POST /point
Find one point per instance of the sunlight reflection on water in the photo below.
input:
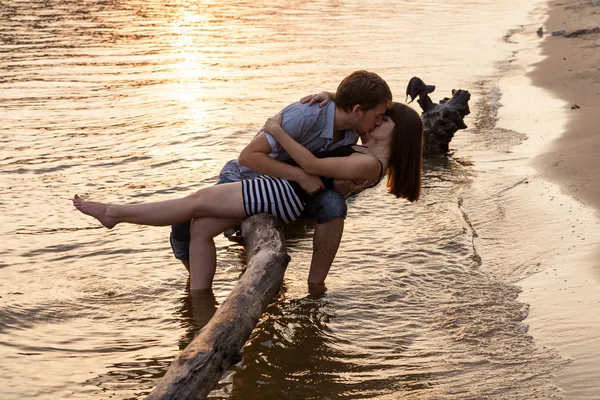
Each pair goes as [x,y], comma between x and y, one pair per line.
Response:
[132,101]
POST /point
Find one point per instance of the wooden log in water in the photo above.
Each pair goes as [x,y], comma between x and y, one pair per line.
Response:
[440,121]
[196,371]
[443,120]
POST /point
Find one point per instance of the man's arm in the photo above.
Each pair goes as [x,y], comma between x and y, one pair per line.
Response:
[256,157]
[331,167]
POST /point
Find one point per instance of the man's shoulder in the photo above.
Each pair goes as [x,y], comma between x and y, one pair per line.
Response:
[300,120]
[298,109]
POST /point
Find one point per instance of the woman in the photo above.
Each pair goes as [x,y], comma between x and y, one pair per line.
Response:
[395,146]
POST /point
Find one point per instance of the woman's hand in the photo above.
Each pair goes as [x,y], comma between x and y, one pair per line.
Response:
[272,124]
[322,98]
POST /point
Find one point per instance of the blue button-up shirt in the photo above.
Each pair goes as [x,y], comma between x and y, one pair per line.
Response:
[311,126]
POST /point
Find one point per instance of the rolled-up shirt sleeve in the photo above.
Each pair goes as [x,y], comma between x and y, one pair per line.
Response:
[292,123]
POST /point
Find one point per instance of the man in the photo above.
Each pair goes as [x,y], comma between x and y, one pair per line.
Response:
[359,106]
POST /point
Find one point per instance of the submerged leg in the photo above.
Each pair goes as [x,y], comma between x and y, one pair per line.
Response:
[203,253]
[330,209]
[326,241]
[223,201]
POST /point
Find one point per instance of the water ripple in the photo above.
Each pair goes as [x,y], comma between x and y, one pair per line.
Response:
[132,101]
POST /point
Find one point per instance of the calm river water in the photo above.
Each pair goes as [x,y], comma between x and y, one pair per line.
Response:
[132,101]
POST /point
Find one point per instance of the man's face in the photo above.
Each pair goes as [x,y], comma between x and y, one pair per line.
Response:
[366,121]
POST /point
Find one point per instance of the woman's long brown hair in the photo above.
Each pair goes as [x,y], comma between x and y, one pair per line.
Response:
[404,169]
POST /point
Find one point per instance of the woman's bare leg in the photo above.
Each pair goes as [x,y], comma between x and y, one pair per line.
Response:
[223,201]
[203,253]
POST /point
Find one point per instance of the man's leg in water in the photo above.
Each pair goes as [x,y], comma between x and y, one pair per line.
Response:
[330,209]
[180,242]
[202,250]
[180,237]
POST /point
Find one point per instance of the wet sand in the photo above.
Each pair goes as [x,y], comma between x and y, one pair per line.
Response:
[565,300]
[571,70]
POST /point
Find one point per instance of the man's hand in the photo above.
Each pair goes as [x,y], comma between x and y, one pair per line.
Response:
[347,187]
[322,98]
[310,183]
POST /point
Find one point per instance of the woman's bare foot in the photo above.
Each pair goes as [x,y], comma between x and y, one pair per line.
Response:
[96,210]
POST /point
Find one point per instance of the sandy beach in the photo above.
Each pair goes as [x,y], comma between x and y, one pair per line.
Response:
[571,70]
[564,301]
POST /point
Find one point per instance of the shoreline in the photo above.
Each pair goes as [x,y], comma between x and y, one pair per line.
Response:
[565,300]
[571,70]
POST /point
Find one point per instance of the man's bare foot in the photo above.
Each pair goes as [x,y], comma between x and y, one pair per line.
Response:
[96,210]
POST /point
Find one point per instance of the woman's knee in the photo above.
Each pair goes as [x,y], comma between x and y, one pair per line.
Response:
[198,202]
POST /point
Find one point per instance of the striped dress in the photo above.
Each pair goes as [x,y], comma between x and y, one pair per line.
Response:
[265,194]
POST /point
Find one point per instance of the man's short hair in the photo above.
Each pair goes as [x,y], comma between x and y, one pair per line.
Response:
[364,88]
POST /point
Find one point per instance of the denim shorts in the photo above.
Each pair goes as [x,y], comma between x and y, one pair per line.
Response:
[324,206]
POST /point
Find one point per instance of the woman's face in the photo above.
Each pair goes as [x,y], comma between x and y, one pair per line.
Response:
[384,130]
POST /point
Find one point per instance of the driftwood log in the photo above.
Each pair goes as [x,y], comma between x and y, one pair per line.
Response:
[218,345]
[440,121]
